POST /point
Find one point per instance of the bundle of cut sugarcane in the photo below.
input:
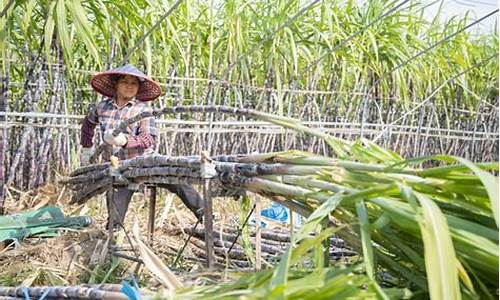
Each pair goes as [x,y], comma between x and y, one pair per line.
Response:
[434,228]
[273,244]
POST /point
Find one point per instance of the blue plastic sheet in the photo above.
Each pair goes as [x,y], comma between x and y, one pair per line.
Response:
[276,213]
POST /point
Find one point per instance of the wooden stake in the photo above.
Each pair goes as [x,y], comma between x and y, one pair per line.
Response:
[111,208]
[207,220]
[206,169]
[258,228]
[152,213]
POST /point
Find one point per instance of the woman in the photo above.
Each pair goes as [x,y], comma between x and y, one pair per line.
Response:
[128,91]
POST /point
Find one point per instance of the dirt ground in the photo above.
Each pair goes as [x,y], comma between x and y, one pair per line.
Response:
[80,256]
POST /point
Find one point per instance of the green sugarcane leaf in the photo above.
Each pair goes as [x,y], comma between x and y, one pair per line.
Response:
[310,242]
[280,275]
[489,181]
[49,30]
[83,28]
[366,241]
[62,31]
[440,259]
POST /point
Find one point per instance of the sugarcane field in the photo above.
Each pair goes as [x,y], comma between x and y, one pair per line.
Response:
[249,149]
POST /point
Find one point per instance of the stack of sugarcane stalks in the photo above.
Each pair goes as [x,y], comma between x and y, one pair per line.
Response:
[435,228]
[88,292]
[397,215]
[273,244]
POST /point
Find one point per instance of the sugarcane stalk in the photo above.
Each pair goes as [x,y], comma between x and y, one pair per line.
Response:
[230,236]
[88,177]
[156,160]
[89,168]
[167,180]
[272,250]
[110,287]
[93,190]
[221,261]
[70,292]
[19,155]
[265,169]
[43,153]
[4,106]
[235,253]
[161,171]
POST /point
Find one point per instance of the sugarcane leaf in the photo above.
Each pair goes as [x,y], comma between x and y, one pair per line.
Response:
[83,28]
[364,225]
[292,255]
[489,181]
[154,263]
[440,259]
[450,170]
[483,291]
[464,277]
[381,222]
[49,30]
[318,215]
[379,290]
[280,275]
[303,285]
[310,242]
[411,275]
[62,30]
[373,152]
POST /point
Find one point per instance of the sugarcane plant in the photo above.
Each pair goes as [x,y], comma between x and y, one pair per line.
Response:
[289,57]
[434,229]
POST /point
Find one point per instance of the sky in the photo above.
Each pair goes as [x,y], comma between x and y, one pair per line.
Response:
[477,8]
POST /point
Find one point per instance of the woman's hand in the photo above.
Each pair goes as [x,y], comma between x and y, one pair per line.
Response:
[119,140]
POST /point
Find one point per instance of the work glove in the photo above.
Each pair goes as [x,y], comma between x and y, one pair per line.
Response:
[85,154]
[120,140]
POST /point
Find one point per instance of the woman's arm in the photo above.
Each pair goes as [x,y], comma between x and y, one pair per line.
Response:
[88,128]
[146,137]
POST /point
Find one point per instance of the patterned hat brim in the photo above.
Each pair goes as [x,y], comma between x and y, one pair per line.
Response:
[103,84]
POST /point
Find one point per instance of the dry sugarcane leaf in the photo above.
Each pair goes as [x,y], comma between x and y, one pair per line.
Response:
[153,263]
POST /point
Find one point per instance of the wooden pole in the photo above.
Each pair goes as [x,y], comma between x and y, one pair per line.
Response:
[111,212]
[207,219]
[152,213]
[206,170]
[111,200]
[258,228]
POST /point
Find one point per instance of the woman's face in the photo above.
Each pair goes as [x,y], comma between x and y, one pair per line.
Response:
[127,87]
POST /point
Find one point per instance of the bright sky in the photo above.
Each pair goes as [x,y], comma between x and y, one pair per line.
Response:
[477,8]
